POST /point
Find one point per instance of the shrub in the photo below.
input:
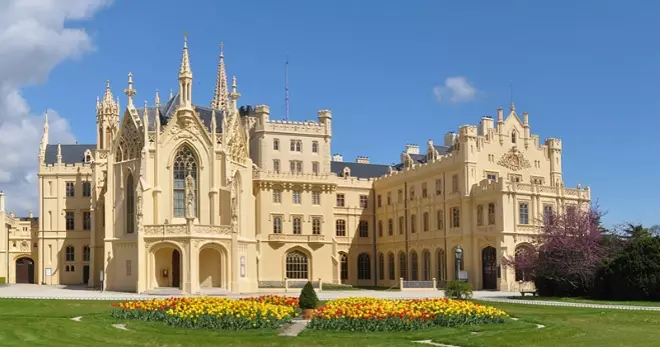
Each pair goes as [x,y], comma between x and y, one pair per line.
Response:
[370,314]
[458,290]
[2,280]
[308,299]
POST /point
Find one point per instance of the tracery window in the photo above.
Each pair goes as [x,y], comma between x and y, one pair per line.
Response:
[296,265]
[184,163]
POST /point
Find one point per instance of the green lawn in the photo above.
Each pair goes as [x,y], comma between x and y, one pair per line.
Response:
[47,323]
[588,301]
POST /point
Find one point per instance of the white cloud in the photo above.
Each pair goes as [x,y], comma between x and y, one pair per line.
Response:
[33,40]
[456,89]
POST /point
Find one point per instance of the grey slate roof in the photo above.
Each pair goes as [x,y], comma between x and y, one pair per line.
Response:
[71,154]
[166,112]
[359,170]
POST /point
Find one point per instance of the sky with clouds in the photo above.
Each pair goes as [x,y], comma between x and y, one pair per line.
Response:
[587,72]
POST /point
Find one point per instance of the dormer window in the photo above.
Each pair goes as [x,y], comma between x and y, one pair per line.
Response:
[347,172]
[513,137]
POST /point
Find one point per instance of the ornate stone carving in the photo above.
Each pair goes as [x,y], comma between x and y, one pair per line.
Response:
[25,246]
[190,195]
[514,160]
[234,206]
[130,142]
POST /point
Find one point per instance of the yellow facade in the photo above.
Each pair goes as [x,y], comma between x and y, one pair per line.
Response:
[176,195]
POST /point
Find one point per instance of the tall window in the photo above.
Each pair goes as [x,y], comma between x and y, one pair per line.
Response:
[315,146]
[69,216]
[316,197]
[381,266]
[380,228]
[297,197]
[277,224]
[399,195]
[276,165]
[363,228]
[70,253]
[403,266]
[438,186]
[513,136]
[87,220]
[413,224]
[87,189]
[277,196]
[547,213]
[340,200]
[184,164]
[454,184]
[390,227]
[414,266]
[440,220]
[297,225]
[130,205]
[480,215]
[425,221]
[390,266]
[340,226]
[524,213]
[296,266]
[491,214]
[401,225]
[315,167]
[524,252]
[426,265]
[425,191]
[276,144]
[295,166]
[87,254]
[389,198]
[364,266]
[442,265]
[455,217]
[343,275]
[70,189]
[363,201]
[296,146]
[316,225]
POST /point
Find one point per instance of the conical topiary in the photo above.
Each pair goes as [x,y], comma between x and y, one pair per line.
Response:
[308,299]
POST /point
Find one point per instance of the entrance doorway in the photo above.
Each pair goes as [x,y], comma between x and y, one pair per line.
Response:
[24,270]
[176,269]
[86,274]
[489,268]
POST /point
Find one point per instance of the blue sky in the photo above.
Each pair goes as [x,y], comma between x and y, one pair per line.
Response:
[586,71]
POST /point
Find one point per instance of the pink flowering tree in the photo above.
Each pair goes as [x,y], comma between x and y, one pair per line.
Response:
[564,258]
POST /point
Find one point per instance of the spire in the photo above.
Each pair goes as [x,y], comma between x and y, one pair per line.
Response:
[185,78]
[221,95]
[145,123]
[44,137]
[157,116]
[157,98]
[107,96]
[130,92]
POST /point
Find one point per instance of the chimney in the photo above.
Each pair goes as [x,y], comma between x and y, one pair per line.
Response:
[337,157]
[412,149]
[30,214]
[362,160]
[486,123]
[450,138]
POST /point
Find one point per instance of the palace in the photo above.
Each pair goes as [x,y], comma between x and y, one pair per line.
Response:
[196,198]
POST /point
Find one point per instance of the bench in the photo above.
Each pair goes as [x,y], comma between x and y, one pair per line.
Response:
[523,292]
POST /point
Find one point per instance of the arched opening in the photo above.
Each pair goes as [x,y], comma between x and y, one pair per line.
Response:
[167,267]
[524,260]
[211,263]
[426,265]
[441,267]
[24,270]
[414,266]
[297,266]
[489,268]
[364,266]
[403,266]
[343,267]
[381,266]
[185,163]
[390,266]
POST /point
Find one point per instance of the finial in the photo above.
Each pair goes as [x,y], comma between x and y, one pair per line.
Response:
[146,105]
[512,107]
[171,94]
[233,84]
[46,117]
[130,92]
[222,49]
[157,99]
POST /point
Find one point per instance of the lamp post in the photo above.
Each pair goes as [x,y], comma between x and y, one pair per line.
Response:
[459,261]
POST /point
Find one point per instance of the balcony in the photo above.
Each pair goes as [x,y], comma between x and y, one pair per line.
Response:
[296,238]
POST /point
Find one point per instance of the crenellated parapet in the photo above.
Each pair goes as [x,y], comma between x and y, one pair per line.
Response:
[66,169]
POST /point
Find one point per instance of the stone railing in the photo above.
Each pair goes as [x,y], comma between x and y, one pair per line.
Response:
[288,284]
[182,229]
[418,285]
[578,193]
[295,238]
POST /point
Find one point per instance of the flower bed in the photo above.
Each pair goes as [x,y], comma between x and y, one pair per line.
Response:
[209,313]
[368,314]
[275,300]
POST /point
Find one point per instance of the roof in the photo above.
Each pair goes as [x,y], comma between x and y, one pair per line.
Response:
[359,170]
[167,111]
[71,154]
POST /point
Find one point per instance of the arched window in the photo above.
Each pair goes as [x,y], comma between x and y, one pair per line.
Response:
[343,272]
[403,266]
[426,265]
[87,254]
[442,266]
[296,266]
[381,266]
[390,266]
[364,267]
[414,266]
[130,204]
[513,136]
[184,164]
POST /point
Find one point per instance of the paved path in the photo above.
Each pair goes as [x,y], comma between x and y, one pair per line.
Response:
[34,291]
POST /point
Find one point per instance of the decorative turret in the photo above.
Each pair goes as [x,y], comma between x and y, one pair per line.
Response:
[234,96]
[130,92]
[59,154]
[526,132]
[107,117]
[500,124]
[44,139]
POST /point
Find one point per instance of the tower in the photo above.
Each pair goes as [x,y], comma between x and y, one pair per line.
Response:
[107,118]
[185,79]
